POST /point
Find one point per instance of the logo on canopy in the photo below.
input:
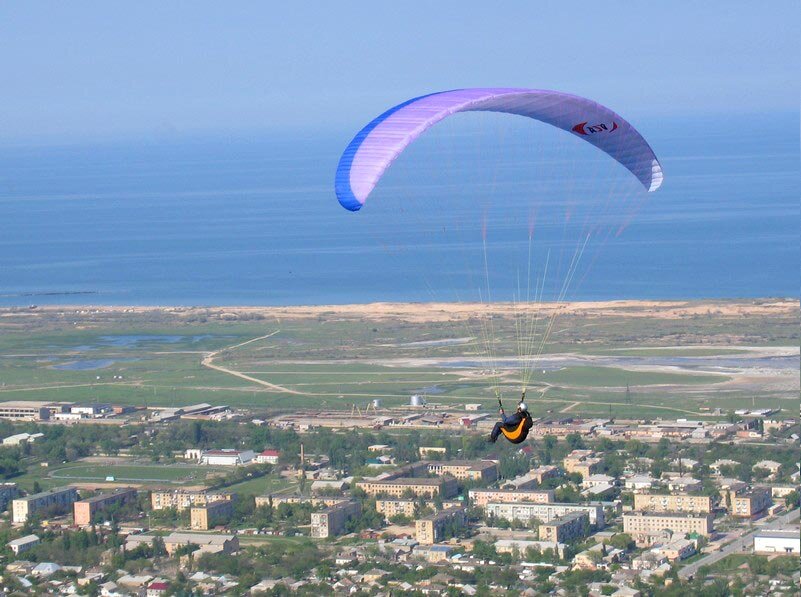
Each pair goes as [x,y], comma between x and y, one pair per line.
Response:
[583,129]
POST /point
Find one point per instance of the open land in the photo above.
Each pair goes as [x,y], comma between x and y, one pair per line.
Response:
[634,358]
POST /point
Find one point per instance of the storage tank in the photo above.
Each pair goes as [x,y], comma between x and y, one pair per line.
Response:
[417,400]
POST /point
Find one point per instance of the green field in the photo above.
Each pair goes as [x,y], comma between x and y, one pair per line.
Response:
[332,360]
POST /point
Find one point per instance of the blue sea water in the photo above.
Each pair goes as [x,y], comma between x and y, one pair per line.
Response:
[252,220]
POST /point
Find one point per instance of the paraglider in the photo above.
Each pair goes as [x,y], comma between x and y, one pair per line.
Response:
[516,426]
[378,144]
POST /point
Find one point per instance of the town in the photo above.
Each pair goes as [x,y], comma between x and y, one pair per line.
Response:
[101,499]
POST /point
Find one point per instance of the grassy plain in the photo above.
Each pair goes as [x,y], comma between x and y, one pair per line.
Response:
[638,359]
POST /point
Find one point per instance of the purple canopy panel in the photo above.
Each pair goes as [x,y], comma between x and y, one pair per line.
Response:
[377,145]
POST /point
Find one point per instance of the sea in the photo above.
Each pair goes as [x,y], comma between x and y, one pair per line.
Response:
[488,208]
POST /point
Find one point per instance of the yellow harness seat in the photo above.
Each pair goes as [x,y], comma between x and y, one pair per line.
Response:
[519,433]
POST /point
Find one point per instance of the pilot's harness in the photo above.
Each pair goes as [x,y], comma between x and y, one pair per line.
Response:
[518,433]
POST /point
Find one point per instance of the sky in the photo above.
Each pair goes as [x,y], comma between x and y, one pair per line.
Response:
[81,71]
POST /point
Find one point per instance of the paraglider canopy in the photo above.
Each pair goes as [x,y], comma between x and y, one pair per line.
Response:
[377,145]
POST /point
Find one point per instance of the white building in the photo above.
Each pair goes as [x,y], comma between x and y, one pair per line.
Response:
[226,457]
[268,457]
[785,541]
[21,438]
[639,483]
[525,512]
[23,544]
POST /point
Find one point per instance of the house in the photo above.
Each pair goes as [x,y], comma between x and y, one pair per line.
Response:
[684,484]
[157,589]
[45,569]
[268,457]
[721,463]
[769,465]
[639,483]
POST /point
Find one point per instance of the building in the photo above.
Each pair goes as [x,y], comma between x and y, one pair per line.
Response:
[92,411]
[433,553]
[23,544]
[206,516]
[31,410]
[645,523]
[84,510]
[582,462]
[771,466]
[181,500]
[445,487]
[429,451]
[268,457]
[21,438]
[431,529]
[571,526]
[331,521]
[481,497]
[56,501]
[598,480]
[226,457]
[277,500]
[522,546]
[8,491]
[391,508]
[533,478]
[783,542]
[638,483]
[751,502]
[226,544]
[525,512]
[484,471]
[684,484]
[676,502]
[676,550]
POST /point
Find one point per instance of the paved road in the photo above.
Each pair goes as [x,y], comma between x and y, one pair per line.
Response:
[744,543]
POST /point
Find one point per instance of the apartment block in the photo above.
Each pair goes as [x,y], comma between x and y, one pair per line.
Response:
[645,523]
[181,500]
[525,512]
[472,470]
[481,497]
[444,487]
[8,491]
[56,500]
[582,462]
[750,503]
[206,516]
[84,510]
[430,529]
[574,525]
[277,500]
[331,521]
[676,502]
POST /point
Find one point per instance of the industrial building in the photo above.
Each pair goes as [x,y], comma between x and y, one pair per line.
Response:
[32,410]
[84,510]
[56,501]
[786,541]
[226,457]
[331,521]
